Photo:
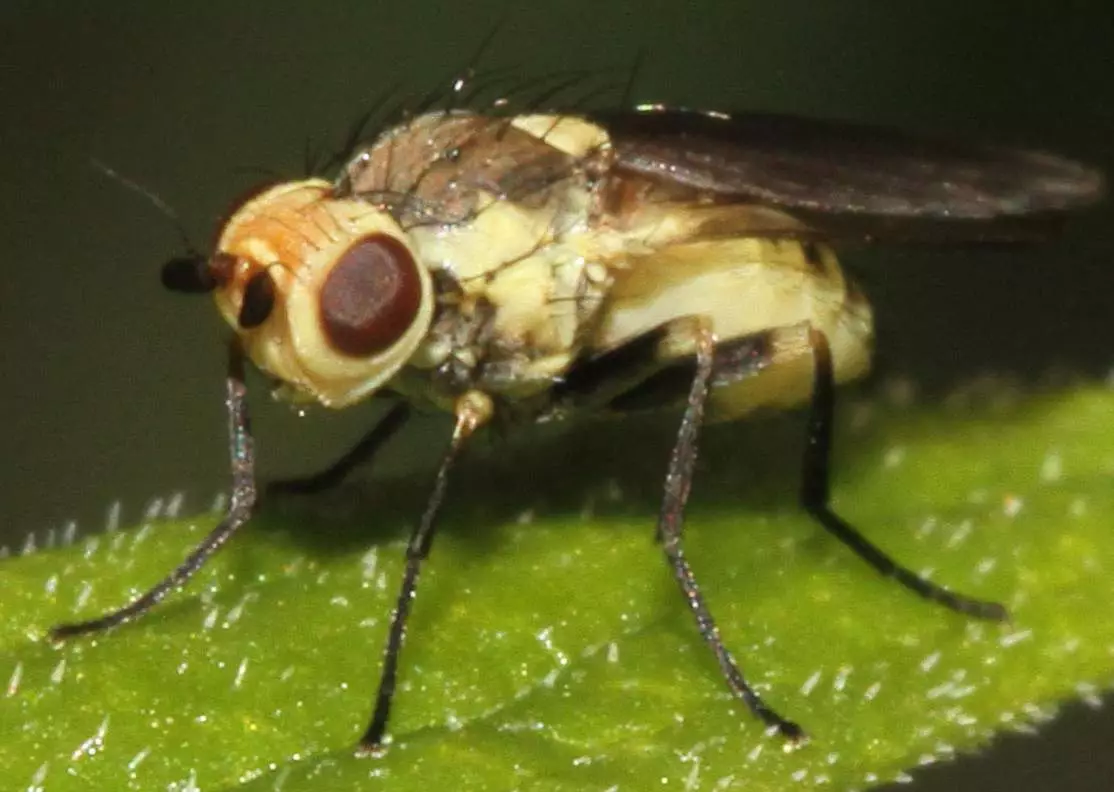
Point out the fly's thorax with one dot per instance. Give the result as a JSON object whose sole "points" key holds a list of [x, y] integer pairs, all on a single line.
{"points": [[442, 162], [517, 287], [499, 210], [327, 294]]}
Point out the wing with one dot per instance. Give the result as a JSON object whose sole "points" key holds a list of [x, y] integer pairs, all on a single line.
{"points": [[834, 168]]}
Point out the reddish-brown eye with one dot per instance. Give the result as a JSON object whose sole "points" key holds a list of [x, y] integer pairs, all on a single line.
{"points": [[371, 296]]}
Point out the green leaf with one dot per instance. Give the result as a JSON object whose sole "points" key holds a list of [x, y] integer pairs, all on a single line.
{"points": [[549, 647]]}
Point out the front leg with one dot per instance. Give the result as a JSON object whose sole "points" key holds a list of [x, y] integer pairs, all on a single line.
{"points": [[473, 410], [241, 452]]}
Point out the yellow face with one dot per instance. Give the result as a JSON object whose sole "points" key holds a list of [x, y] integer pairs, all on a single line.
{"points": [[326, 294]]}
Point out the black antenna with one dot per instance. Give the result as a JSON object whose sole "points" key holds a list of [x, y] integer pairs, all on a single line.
{"points": [[188, 273]]}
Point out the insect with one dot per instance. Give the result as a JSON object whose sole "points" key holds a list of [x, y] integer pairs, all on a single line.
{"points": [[522, 268]]}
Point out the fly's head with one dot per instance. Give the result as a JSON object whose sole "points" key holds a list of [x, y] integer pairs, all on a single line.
{"points": [[326, 294]]}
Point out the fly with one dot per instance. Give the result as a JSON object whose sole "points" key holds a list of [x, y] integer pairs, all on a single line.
{"points": [[524, 268]]}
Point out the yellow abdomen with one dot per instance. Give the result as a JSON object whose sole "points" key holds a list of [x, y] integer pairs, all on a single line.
{"points": [[743, 287]]}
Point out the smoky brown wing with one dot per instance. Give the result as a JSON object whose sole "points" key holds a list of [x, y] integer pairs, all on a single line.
{"points": [[835, 168]]}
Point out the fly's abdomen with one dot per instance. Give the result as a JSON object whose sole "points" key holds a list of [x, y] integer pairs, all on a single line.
{"points": [[745, 287]]}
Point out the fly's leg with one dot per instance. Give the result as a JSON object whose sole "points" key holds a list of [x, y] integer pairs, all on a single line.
{"points": [[360, 453], [241, 505], [678, 482], [473, 410], [815, 497]]}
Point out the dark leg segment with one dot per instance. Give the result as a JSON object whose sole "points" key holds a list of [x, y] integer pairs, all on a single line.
{"points": [[678, 482], [815, 497], [360, 453], [473, 410], [242, 456]]}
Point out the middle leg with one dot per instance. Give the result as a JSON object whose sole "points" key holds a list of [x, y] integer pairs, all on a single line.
{"points": [[678, 483]]}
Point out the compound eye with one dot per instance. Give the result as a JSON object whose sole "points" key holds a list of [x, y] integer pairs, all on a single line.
{"points": [[371, 296], [258, 302]]}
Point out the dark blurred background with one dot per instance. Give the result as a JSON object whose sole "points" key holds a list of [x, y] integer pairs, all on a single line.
{"points": [[112, 388]]}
